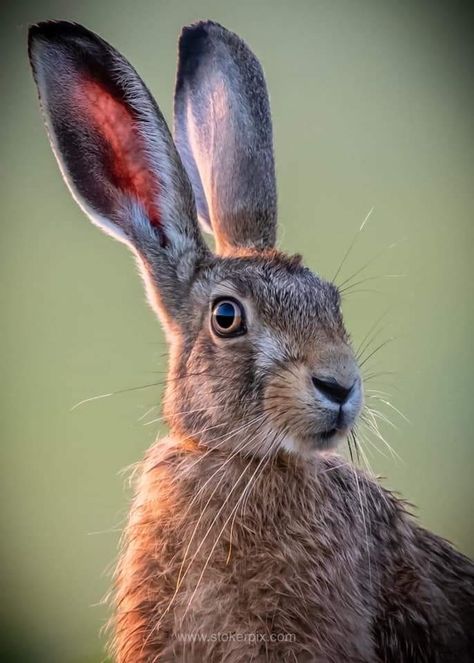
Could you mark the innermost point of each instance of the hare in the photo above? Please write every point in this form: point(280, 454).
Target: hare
point(249, 538)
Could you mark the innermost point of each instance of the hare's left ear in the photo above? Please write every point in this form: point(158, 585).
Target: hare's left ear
point(117, 155)
point(223, 132)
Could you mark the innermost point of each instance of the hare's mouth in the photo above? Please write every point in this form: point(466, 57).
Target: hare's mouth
point(328, 439)
point(313, 442)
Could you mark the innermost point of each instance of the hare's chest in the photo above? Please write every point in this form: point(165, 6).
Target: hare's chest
point(305, 588)
point(289, 593)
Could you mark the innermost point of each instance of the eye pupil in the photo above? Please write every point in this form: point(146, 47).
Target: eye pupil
point(225, 314)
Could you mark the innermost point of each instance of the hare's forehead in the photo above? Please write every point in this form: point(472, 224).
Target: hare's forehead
point(277, 294)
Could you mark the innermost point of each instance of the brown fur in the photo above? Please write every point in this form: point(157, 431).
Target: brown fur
point(247, 539)
point(304, 557)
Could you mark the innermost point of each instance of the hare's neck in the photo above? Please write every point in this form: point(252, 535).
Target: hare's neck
point(205, 480)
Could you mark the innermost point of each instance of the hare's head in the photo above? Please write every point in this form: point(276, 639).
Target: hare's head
point(260, 359)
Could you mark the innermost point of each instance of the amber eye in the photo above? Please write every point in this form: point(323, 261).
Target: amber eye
point(227, 318)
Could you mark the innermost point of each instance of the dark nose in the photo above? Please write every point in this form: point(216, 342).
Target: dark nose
point(332, 389)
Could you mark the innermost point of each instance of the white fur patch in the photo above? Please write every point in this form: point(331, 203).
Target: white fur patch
point(270, 349)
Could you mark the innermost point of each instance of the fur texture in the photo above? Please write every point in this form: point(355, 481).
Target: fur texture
point(305, 558)
point(248, 539)
point(223, 132)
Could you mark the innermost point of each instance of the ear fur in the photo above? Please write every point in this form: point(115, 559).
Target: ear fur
point(223, 131)
point(116, 153)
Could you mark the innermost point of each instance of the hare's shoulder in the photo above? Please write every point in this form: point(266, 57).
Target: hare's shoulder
point(347, 486)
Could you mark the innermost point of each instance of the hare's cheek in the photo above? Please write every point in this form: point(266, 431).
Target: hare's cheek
point(288, 399)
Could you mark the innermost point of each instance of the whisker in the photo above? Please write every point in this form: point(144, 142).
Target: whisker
point(362, 452)
point(352, 244)
point(349, 287)
point(377, 374)
point(200, 409)
point(383, 493)
point(382, 417)
point(225, 524)
point(149, 411)
point(350, 449)
point(369, 333)
point(377, 349)
point(372, 444)
point(373, 427)
point(92, 398)
point(144, 386)
point(369, 262)
point(234, 453)
point(390, 405)
point(182, 573)
point(364, 522)
point(372, 291)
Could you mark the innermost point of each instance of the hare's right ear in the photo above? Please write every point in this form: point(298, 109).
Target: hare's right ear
point(117, 155)
point(223, 131)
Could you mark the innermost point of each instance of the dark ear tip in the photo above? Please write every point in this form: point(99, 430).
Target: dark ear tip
point(191, 35)
point(197, 40)
point(41, 32)
point(56, 31)
point(35, 33)
point(202, 27)
point(52, 29)
point(196, 33)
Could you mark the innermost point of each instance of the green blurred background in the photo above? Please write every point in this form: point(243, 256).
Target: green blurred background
point(373, 108)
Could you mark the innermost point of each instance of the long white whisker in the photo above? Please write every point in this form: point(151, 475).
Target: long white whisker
point(364, 525)
point(181, 574)
point(212, 524)
point(92, 398)
point(373, 427)
point(372, 260)
point(149, 411)
point(373, 445)
point(382, 417)
point(236, 452)
point(200, 409)
point(352, 244)
point(390, 405)
point(225, 523)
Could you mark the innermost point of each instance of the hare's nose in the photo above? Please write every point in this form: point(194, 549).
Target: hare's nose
point(333, 390)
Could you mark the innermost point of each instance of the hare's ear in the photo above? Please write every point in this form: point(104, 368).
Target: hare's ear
point(223, 132)
point(116, 153)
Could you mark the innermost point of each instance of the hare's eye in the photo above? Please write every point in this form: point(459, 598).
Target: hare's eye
point(227, 318)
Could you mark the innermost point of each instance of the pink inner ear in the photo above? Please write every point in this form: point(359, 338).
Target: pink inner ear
point(129, 170)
